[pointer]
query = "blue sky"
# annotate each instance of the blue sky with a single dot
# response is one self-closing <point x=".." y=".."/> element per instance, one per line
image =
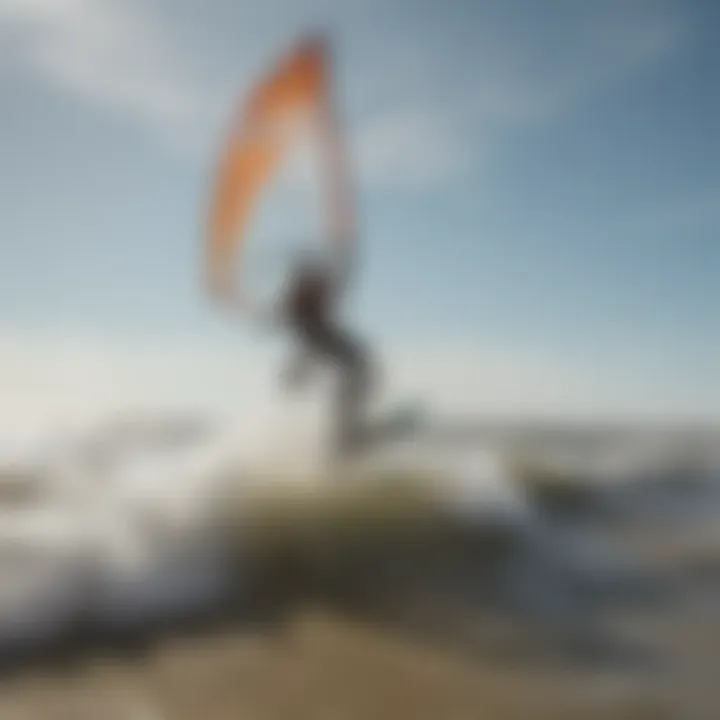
<point x="539" y="185"/>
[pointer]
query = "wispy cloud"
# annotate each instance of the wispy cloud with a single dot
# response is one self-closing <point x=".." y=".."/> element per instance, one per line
<point x="445" y="100"/>
<point x="411" y="149"/>
<point x="430" y="102"/>
<point x="111" y="54"/>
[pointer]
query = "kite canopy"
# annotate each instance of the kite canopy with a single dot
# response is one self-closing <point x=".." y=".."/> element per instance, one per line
<point x="291" y="101"/>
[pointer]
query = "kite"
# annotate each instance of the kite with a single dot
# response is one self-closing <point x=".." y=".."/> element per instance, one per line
<point x="294" y="99"/>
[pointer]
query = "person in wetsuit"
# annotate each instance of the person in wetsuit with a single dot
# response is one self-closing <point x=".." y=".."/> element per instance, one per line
<point x="308" y="310"/>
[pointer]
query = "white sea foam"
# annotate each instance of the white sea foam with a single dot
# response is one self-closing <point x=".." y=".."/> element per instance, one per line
<point x="120" y="525"/>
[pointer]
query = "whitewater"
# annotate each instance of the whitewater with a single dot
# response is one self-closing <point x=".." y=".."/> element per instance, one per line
<point x="115" y="524"/>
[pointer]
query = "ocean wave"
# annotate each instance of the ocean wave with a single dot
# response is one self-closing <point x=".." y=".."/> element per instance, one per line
<point x="120" y="527"/>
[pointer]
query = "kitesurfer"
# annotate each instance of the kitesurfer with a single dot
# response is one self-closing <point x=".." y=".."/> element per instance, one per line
<point x="308" y="310"/>
<point x="298" y="95"/>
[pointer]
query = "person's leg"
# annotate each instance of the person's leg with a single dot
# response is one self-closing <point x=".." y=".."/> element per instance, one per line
<point x="351" y="358"/>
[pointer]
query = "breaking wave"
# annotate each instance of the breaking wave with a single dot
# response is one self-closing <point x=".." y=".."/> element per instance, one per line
<point x="118" y="527"/>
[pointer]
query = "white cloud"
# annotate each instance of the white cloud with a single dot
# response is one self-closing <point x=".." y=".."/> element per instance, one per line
<point x="438" y="104"/>
<point x="413" y="149"/>
<point x="112" y="54"/>
<point x="431" y="103"/>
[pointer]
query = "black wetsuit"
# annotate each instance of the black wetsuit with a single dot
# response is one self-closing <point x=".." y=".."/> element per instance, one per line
<point x="308" y="311"/>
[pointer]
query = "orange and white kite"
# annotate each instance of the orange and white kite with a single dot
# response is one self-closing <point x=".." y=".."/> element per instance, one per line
<point x="291" y="101"/>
